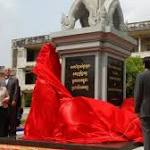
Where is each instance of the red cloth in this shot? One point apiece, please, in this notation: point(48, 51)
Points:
point(56, 115)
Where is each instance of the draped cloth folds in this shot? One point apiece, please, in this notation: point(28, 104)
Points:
point(56, 115)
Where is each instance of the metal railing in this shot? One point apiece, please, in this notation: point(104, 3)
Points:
point(30, 40)
point(137, 26)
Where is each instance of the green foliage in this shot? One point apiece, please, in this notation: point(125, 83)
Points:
point(28, 98)
point(134, 65)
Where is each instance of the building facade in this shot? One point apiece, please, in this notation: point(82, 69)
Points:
point(1, 71)
point(25, 50)
point(141, 32)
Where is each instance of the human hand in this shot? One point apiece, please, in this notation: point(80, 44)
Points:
point(5, 103)
point(13, 103)
point(5, 100)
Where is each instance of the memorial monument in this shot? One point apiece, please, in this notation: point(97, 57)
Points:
point(93, 56)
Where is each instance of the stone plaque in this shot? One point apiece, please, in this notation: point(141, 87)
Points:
point(115, 78)
point(80, 75)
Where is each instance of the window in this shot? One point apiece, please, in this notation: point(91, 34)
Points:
point(31, 54)
point(148, 47)
point(116, 19)
point(29, 78)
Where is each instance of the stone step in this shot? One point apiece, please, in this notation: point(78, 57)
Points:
point(69, 146)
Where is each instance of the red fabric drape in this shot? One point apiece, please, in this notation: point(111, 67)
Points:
point(56, 115)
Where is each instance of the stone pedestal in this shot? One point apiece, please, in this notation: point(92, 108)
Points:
point(93, 62)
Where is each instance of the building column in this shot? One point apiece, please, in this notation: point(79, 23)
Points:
point(23, 100)
point(139, 44)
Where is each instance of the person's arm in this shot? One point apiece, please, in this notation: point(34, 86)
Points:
point(138, 93)
point(15, 95)
point(7, 95)
point(6, 99)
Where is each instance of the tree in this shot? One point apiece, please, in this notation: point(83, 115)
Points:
point(134, 65)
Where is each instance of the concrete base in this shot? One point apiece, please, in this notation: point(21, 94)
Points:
point(69, 146)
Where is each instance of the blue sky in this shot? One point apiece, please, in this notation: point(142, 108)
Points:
point(25, 18)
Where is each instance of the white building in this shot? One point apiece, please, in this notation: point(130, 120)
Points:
point(24, 52)
point(141, 32)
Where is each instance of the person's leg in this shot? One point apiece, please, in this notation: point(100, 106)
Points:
point(3, 122)
point(6, 122)
point(146, 132)
point(12, 121)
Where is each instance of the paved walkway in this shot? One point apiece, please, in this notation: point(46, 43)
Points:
point(11, 147)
